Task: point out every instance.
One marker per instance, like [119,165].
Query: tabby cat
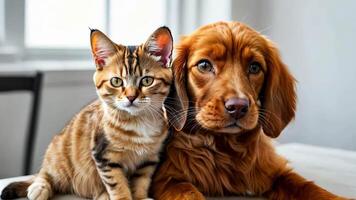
[110,149]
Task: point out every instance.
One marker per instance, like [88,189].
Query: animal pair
[231,94]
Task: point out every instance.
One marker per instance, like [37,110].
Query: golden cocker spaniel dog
[232,95]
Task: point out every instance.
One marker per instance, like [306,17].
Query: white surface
[333,169]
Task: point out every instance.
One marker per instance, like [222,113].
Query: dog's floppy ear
[278,96]
[177,101]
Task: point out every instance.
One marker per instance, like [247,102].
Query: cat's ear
[160,45]
[102,48]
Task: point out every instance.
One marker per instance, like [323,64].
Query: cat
[110,149]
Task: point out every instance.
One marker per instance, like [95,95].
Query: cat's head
[133,78]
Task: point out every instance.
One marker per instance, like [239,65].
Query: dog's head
[230,79]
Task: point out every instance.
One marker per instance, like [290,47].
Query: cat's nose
[131,98]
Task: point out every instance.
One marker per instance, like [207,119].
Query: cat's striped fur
[110,149]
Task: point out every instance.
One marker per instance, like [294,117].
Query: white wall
[65,93]
[317,41]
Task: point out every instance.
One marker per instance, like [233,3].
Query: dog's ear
[278,96]
[177,101]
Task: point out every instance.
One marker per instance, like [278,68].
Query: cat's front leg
[141,179]
[115,181]
[111,173]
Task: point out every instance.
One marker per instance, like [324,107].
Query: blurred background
[51,37]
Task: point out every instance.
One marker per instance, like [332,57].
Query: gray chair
[31,83]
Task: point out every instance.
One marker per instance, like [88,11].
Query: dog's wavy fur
[205,159]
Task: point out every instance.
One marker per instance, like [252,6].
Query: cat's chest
[132,154]
[145,130]
[136,140]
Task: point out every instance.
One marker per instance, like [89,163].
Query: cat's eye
[147,81]
[205,66]
[116,82]
[254,68]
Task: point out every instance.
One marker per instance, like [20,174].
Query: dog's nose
[237,107]
[131,98]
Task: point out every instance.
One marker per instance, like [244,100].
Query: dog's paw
[192,196]
[38,191]
[183,191]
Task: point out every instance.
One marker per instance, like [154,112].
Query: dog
[232,94]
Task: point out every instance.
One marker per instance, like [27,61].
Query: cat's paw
[38,191]
[103,196]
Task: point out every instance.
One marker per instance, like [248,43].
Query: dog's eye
[116,82]
[146,81]
[205,66]
[254,68]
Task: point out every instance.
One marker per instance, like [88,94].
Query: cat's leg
[111,173]
[115,181]
[41,188]
[141,179]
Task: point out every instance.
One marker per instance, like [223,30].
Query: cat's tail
[16,189]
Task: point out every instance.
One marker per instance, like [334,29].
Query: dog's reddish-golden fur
[206,157]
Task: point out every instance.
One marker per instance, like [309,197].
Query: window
[131,21]
[2,21]
[59,29]
[64,24]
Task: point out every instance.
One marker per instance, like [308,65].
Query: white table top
[333,169]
